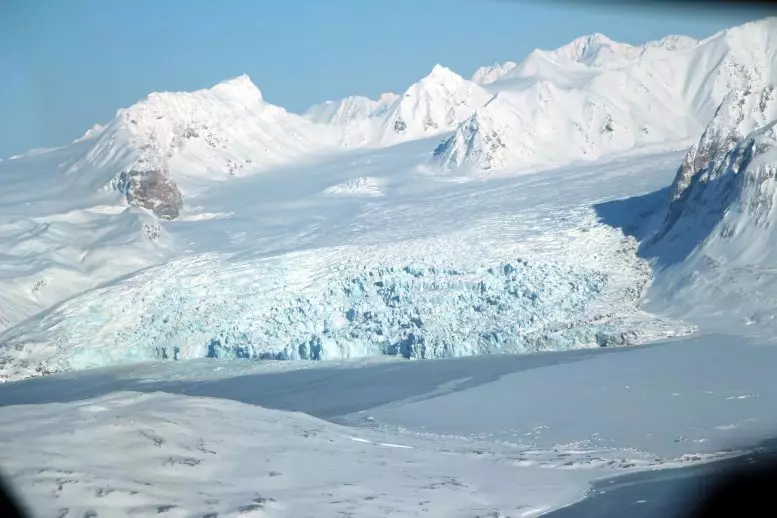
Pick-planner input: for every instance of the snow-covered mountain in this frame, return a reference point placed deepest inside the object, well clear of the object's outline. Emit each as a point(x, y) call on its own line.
point(64, 218)
point(661, 92)
point(435, 104)
point(716, 244)
point(175, 140)
point(350, 109)
point(725, 189)
point(172, 142)
point(545, 125)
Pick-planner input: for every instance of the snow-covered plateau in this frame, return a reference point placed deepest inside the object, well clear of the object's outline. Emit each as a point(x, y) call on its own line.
point(449, 275)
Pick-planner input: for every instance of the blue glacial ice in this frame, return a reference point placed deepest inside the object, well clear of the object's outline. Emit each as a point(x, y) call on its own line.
point(414, 311)
point(281, 310)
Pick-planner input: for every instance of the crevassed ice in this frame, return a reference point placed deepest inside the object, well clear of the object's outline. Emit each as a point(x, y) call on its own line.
point(413, 310)
point(455, 295)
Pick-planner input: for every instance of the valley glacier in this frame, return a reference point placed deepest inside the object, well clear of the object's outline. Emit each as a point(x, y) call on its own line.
point(386, 277)
point(334, 304)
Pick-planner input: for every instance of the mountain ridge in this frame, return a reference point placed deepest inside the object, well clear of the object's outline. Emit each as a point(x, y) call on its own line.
point(652, 93)
point(661, 92)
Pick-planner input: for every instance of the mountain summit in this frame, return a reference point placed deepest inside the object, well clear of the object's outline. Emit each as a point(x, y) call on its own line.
point(435, 104)
point(594, 97)
point(167, 143)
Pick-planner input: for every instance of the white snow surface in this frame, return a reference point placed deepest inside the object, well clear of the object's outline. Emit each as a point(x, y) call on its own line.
point(195, 456)
point(360, 186)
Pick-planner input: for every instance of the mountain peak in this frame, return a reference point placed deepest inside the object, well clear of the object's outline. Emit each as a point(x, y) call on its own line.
point(489, 74)
point(674, 42)
point(240, 87)
point(440, 74)
point(388, 97)
point(596, 38)
point(586, 49)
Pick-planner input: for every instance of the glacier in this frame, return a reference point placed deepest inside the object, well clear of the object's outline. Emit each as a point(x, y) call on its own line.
point(274, 309)
point(265, 267)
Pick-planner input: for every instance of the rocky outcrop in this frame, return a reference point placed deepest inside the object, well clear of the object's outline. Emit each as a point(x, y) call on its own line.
point(721, 147)
point(152, 189)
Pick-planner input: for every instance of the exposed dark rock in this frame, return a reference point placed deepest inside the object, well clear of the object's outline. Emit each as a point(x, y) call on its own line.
point(152, 189)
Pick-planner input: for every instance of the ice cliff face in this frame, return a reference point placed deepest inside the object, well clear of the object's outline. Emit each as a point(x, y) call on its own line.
point(412, 310)
point(341, 303)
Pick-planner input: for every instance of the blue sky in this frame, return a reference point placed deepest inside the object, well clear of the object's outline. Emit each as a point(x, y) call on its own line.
point(65, 65)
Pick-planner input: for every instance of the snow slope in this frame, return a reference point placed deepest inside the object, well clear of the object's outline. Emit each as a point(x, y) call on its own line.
point(595, 97)
point(545, 125)
point(60, 235)
point(201, 456)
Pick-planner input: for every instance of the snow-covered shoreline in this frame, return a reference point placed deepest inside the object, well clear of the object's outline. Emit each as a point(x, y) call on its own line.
point(527, 447)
